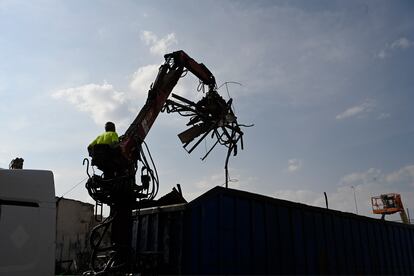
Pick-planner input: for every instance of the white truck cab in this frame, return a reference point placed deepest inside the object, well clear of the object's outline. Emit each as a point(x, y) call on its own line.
point(27, 222)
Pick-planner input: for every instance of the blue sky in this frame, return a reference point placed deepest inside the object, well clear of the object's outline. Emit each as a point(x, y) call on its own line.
point(328, 85)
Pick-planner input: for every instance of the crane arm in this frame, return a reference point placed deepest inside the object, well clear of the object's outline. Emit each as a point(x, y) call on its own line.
point(168, 75)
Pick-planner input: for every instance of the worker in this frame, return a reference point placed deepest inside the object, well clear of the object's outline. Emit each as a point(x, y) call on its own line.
point(104, 150)
point(109, 137)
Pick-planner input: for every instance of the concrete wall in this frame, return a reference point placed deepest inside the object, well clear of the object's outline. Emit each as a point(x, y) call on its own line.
point(74, 220)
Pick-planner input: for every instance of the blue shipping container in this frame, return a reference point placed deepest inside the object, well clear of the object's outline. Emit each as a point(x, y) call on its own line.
point(227, 231)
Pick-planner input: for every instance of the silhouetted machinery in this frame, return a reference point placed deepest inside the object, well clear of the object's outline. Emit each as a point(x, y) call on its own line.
point(16, 163)
point(387, 204)
point(117, 186)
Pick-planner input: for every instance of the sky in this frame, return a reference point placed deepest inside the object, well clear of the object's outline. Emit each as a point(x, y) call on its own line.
point(328, 85)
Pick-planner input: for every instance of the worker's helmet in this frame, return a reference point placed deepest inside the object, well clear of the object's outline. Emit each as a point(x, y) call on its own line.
point(109, 126)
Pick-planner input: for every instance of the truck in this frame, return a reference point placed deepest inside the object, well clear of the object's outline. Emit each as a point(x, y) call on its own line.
point(27, 222)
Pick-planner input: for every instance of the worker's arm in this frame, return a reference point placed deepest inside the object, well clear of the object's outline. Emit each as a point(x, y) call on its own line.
point(93, 143)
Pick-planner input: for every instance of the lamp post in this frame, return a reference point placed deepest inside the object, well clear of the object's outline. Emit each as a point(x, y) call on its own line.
point(356, 206)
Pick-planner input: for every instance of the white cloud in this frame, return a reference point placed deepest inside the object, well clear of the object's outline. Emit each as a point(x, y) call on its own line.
point(405, 174)
point(148, 37)
point(370, 176)
point(401, 43)
point(382, 54)
point(210, 182)
point(146, 75)
point(206, 183)
point(365, 107)
point(102, 102)
point(383, 116)
point(340, 199)
point(303, 196)
point(160, 46)
point(142, 79)
point(294, 165)
point(237, 181)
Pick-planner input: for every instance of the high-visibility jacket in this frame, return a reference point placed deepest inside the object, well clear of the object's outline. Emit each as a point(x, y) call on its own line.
point(106, 138)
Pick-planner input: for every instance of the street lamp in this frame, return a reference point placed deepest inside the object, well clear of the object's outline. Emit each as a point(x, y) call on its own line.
point(356, 206)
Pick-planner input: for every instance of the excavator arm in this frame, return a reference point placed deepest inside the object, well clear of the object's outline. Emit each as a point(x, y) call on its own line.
point(168, 75)
point(212, 114)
